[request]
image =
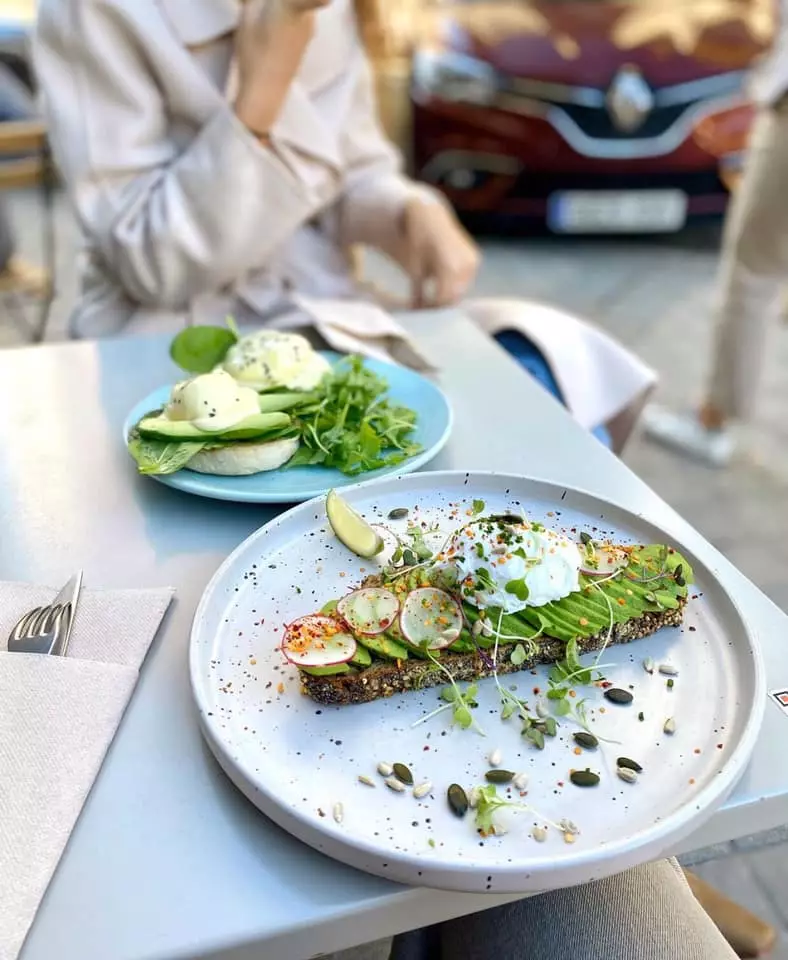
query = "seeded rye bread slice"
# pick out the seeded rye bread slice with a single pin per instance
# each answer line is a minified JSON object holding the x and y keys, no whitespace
{"x":385,"y":679}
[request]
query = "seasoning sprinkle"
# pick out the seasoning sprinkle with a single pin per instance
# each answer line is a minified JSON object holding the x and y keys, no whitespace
{"x":458,"y":799}
{"x":584,"y":778}
{"x":385,"y":769}
{"x":641,"y":716}
{"x":422,"y":790}
{"x":668,"y":670}
{"x":627,"y":775}
{"x":339,"y":812}
{"x":629,"y":764}
{"x":393,"y":784}
{"x":670,"y":726}
{"x":366,"y":781}
{"x":539,"y":834}
{"x":617,"y":695}
{"x":587,"y":740}
{"x":495,"y":758}
{"x":401,"y":772}
{"x":499,"y":776}
{"x":669,"y":684}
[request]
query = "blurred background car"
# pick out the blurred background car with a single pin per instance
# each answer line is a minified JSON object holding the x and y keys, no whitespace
{"x":585,"y":116}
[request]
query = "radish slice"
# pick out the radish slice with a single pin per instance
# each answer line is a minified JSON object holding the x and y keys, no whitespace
{"x":317,"y":641}
{"x":599,"y":560}
{"x":431,"y":618}
{"x":369,"y":611}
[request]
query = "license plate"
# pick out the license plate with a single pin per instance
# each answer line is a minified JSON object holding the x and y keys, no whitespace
{"x":617,"y":211}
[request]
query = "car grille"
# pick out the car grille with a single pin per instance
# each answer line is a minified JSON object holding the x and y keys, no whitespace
{"x":596,"y":122}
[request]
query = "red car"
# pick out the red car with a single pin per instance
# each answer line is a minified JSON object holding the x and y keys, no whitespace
{"x":586,"y":116}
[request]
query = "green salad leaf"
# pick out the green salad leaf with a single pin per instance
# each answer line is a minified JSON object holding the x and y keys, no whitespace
{"x":351,"y":426}
{"x":160,"y":457}
{"x":201,"y":348}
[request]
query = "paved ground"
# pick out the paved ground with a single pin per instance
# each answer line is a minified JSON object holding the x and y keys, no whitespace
{"x":657,"y":298}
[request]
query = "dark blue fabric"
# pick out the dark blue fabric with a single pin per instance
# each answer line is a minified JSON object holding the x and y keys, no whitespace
{"x":530,"y":357}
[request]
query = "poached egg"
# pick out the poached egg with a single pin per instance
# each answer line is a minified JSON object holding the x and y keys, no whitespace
{"x":212,"y":402}
{"x":272,"y":358}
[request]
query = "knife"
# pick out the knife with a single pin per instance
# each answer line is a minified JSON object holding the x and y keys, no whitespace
{"x":69,"y":596}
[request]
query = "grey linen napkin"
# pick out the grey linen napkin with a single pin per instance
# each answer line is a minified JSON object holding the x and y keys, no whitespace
{"x":58,"y":716}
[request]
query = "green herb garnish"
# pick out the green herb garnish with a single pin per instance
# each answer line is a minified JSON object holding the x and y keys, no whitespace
{"x":200,"y":349}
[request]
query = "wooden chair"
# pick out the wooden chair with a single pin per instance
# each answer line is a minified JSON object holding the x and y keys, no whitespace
{"x":25,"y":161}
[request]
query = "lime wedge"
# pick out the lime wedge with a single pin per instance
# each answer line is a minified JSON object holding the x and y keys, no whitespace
{"x":352,"y":529}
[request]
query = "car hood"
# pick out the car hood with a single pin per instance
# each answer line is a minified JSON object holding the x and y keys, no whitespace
{"x":586,"y":42}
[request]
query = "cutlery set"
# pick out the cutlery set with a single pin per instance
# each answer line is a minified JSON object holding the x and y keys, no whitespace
{"x":47,"y":630}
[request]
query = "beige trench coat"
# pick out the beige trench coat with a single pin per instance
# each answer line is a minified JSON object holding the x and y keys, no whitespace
{"x":186,"y":217}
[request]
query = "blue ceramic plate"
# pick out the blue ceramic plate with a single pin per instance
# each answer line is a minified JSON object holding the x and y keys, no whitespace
{"x":433,"y":427}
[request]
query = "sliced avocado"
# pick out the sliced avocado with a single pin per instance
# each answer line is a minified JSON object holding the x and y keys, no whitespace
{"x":463,"y":644}
{"x":384,"y":646}
{"x":362,"y":657}
{"x":270,"y":402}
{"x":332,"y":671}
{"x":330,"y":608}
{"x":161,"y":427}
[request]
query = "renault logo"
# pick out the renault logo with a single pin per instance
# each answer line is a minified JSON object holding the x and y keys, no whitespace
{"x":629,"y":100}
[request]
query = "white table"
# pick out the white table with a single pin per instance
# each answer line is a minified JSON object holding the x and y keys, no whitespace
{"x":168,"y":860}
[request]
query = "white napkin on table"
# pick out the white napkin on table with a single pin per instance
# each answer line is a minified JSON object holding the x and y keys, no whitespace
{"x":58,"y":716}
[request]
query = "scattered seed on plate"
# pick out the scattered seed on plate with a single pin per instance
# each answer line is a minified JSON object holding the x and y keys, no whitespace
{"x":495,"y":758}
{"x":399,"y":513}
{"x":477,"y":628}
{"x":339,"y":812}
{"x":617,"y":695}
{"x":648,"y":665}
{"x":627,"y":775}
{"x":499,"y":776}
{"x":641,"y":716}
{"x":539,"y":834}
{"x":422,"y":790}
{"x":570,"y":837}
{"x":473,"y":798}
{"x":584,"y":778}
{"x":520,"y":781}
{"x":587,"y":740}
{"x":458,"y":799}
{"x":385,"y":769}
{"x":366,"y":781}
{"x":401,"y":772}
{"x":629,"y":764}
{"x":393,"y":784}
{"x":668,"y":670}
{"x":670,"y":726}
{"x":569,"y":826}
{"x":542,"y":710}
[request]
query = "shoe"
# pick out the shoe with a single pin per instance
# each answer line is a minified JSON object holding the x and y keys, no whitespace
{"x":684,"y":433}
{"x":25,"y":278}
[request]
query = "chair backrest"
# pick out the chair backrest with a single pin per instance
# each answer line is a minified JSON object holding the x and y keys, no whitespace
{"x":24,"y":143}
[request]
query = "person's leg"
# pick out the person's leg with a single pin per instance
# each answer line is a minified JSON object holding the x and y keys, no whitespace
{"x":753,"y":267}
{"x":648,"y":913}
{"x":531,"y":358}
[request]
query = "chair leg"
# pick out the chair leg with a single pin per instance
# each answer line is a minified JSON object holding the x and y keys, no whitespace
{"x":748,"y":935}
{"x":49,"y":243}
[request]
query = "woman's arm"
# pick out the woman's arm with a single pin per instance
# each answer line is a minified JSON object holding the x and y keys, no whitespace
{"x":170,"y":224}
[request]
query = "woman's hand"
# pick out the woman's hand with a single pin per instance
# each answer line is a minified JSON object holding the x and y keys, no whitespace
{"x":270,"y":43}
{"x":440,"y":254}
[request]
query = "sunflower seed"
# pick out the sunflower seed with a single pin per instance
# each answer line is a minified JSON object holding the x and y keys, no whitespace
{"x":366,"y":781}
{"x":339,"y":812}
{"x":648,"y":665}
{"x":629,"y":764}
{"x":393,"y":784}
{"x":542,"y":710}
{"x":584,"y":778}
{"x":401,"y":772}
{"x":385,"y":769}
{"x":458,"y":799}
{"x":473,"y":798}
{"x":617,"y":695}
{"x":487,"y":629}
{"x":476,"y":629}
{"x":499,"y":776}
{"x":422,"y":790}
{"x":520,"y":781}
{"x":399,"y":513}
{"x":495,"y":758}
{"x":500,"y":551}
{"x":539,"y":834}
{"x":587,"y":740}
{"x":570,"y":837}
{"x":569,"y":826}
{"x":670,"y":726}
{"x":668,"y":670}
{"x":627,"y":775}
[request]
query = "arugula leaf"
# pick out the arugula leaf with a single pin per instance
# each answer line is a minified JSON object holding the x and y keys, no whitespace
{"x":199,"y":349}
{"x":487,"y":805}
{"x":161,"y":457}
{"x":478,"y":507}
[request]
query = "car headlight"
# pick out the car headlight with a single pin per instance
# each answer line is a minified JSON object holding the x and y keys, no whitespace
{"x":453,"y":76}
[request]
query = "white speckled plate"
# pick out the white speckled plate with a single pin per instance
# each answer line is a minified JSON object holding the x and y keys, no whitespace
{"x":296,"y":760}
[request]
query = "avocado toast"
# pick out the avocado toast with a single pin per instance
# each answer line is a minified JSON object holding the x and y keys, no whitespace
{"x":503,"y":594}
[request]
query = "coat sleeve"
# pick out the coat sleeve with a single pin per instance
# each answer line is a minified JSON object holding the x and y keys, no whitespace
{"x":376,"y":189}
{"x":169,"y":223}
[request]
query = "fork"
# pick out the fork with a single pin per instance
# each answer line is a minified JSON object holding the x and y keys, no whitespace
{"x":39,"y":630}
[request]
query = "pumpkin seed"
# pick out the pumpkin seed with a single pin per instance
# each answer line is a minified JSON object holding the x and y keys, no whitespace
{"x":670,"y":726}
{"x":648,"y":665}
{"x":499,"y":776}
{"x":585,"y":538}
{"x":539,"y":834}
{"x":385,"y":769}
{"x":473,"y":798}
{"x":627,"y":775}
{"x":401,"y":772}
{"x":366,"y":781}
{"x":495,"y":758}
{"x":506,"y":518}
{"x":458,"y":799}
{"x":422,"y":790}
{"x":587,"y":740}
{"x":399,"y":513}
{"x":520,"y":781}
{"x":339,"y":812}
{"x":393,"y":784}
{"x":629,"y":764}
{"x":668,"y":670}
{"x":617,"y":695}
{"x":584,"y":778}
